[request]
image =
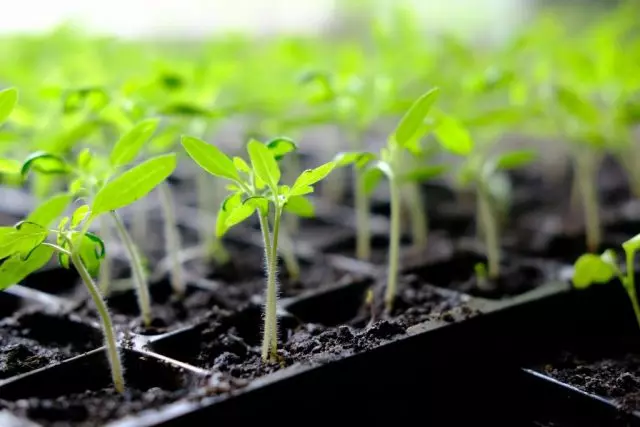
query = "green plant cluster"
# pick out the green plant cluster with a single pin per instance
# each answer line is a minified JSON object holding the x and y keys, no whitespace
{"x":101,"y":123}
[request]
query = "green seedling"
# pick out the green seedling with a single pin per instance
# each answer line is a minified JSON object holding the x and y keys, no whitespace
{"x":592,"y":269}
{"x":101,"y":181}
{"x":257,"y":189}
{"x":390,"y":163}
{"x":25,"y":248}
{"x":481,"y":171}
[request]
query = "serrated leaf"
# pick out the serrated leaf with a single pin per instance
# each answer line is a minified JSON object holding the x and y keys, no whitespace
{"x":281,"y":146}
{"x":239,"y":214}
{"x":8,"y":101}
{"x":10,"y":166}
{"x":264,"y":164}
{"x":16,"y":268}
{"x":412,"y":121}
{"x":453,"y":136}
{"x":226,"y":207}
{"x":21,"y":239}
{"x":424,"y":173}
{"x":80,"y":215}
{"x":129,"y":145}
{"x":590,"y":269}
{"x":46,"y":163}
{"x":210,"y":158}
{"x":50,"y":210}
{"x":300,"y":206}
{"x":515,"y":159}
{"x":311,"y":176}
{"x":133,"y":184}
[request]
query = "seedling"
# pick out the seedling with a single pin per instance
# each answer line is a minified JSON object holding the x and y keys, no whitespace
{"x":25,"y":249}
{"x":592,"y":269}
{"x":100,"y":181}
{"x":480,"y":170}
{"x":389,"y":162}
{"x":257,"y":189}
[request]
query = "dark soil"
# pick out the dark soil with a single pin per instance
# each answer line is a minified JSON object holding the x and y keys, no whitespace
{"x":30,"y":341}
{"x":91,"y":408}
{"x":614,"y":378}
{"x":457,"y":273}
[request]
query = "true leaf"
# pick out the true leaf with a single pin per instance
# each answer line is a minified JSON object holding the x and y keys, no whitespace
{"x":590,"y":269}
{"x":46,"y":163}
{"x":241,"y":165}
{"x":8,"y":100}
{"x":50,"y":210}
{"x":312,"y":176}
{"x":226,"y":207}
{"x":264,"y":164}
{"x":16,"y":268}
{"x":80,"y":215}
{"x":358,"y":159}
{"x":411,"y":123}
{"x":281,"y":146}
{"x":21,"y":239}
{"x":300,"y":206}
{"x":515,"y":159}
{"x":239,"y":214}
{"x":129,"y":145}
{"x":210,"y":158}
{"x":453,"y":136}
{"x":133,"y":184}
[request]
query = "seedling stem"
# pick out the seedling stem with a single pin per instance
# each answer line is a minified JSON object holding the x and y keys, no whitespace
{"x":490,"y":231}
{"x":587,"y":175}
{"x":172,"y":239}
{"x":363,"y":237}
{"x":270,"y":337}
{"x":394,"y":245}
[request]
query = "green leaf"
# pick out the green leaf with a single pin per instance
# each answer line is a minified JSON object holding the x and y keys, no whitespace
{"x":92,"y":251}
{"x":16,"y":268}
{"x":21,"y":239}
{"x":370,"y":179}
{"x":281,"y":146}
{"x":80,"y":215}
{"x":311,"y":176}
{"x":239,"y":214}
{"x":515,"y":159}
{"x":46,"y":163}
{"x":50,"y":210}
{"x":500,"y":116}
{"x":241,"y":165}
{"x":95,"y":98}
{"x":301,"y":191}
{"x":453,"y":136}
{"x":590,"y":269}
{"x":210,"y":158}
{"x":360,"y":160}
{"x":264,"y":164}
{"x":424,"y":173}
{"x":632,"y":245}
{"x":185,"y":109}
{"x":133,"y":184}
{"x":8,"y":101}
{"x":412,"y":121}
{"x":84,"y":159}
{"x":129,"y":145}
{"x":226,"y":207}
{"x":10,"y":166}
{"x":577,"y":106}
{"x":300,"y":206}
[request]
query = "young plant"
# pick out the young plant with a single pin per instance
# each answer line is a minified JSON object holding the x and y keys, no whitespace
{"x":99,"y":180}
{"x":257,"y":189}
{"x":481,"y":171}
{"x":25,"y":249}
{"x":592,"y":269}
{"x":390,"y":163}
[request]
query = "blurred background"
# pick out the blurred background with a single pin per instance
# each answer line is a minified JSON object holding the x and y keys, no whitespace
{"x":494,"y":20}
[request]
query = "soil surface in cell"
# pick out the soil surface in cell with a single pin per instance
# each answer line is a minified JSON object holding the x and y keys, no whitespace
{"x":92,"y":407}
{"x":32,"y":340}
{"x":615,"y":378}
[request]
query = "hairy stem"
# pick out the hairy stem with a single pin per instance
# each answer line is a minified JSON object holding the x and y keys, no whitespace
{"x":270,"y":333}
{"x":418,"y":216}
{"x":137,"y":271}
{"x":107,"y":326}
{"x":363,"y":226}
{"x":172,"y":239}
{"x":490,"y":232}
{"x":105,"y":266}
{"x":394,"y":246}
{"x":587,"y":175}
{"x":630,"y":285}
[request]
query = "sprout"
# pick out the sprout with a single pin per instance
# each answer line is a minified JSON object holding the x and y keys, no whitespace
{"x":257,"y":189}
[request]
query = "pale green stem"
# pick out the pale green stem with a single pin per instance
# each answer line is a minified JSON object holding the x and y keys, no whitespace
{"x":363,"y":226}
{"x":106,"y":264}
{"x":172,"y":239}
{"x":204,"y":187}
{"x":490,"y":232}
{"x":270,"y":333}
{"x":418,"y":216}
{"x":137,"y":271}
{"x":394,"y":246}
{"x":113,"y":354}
{"x":587,"y":174}
{"x":630,"y":285}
